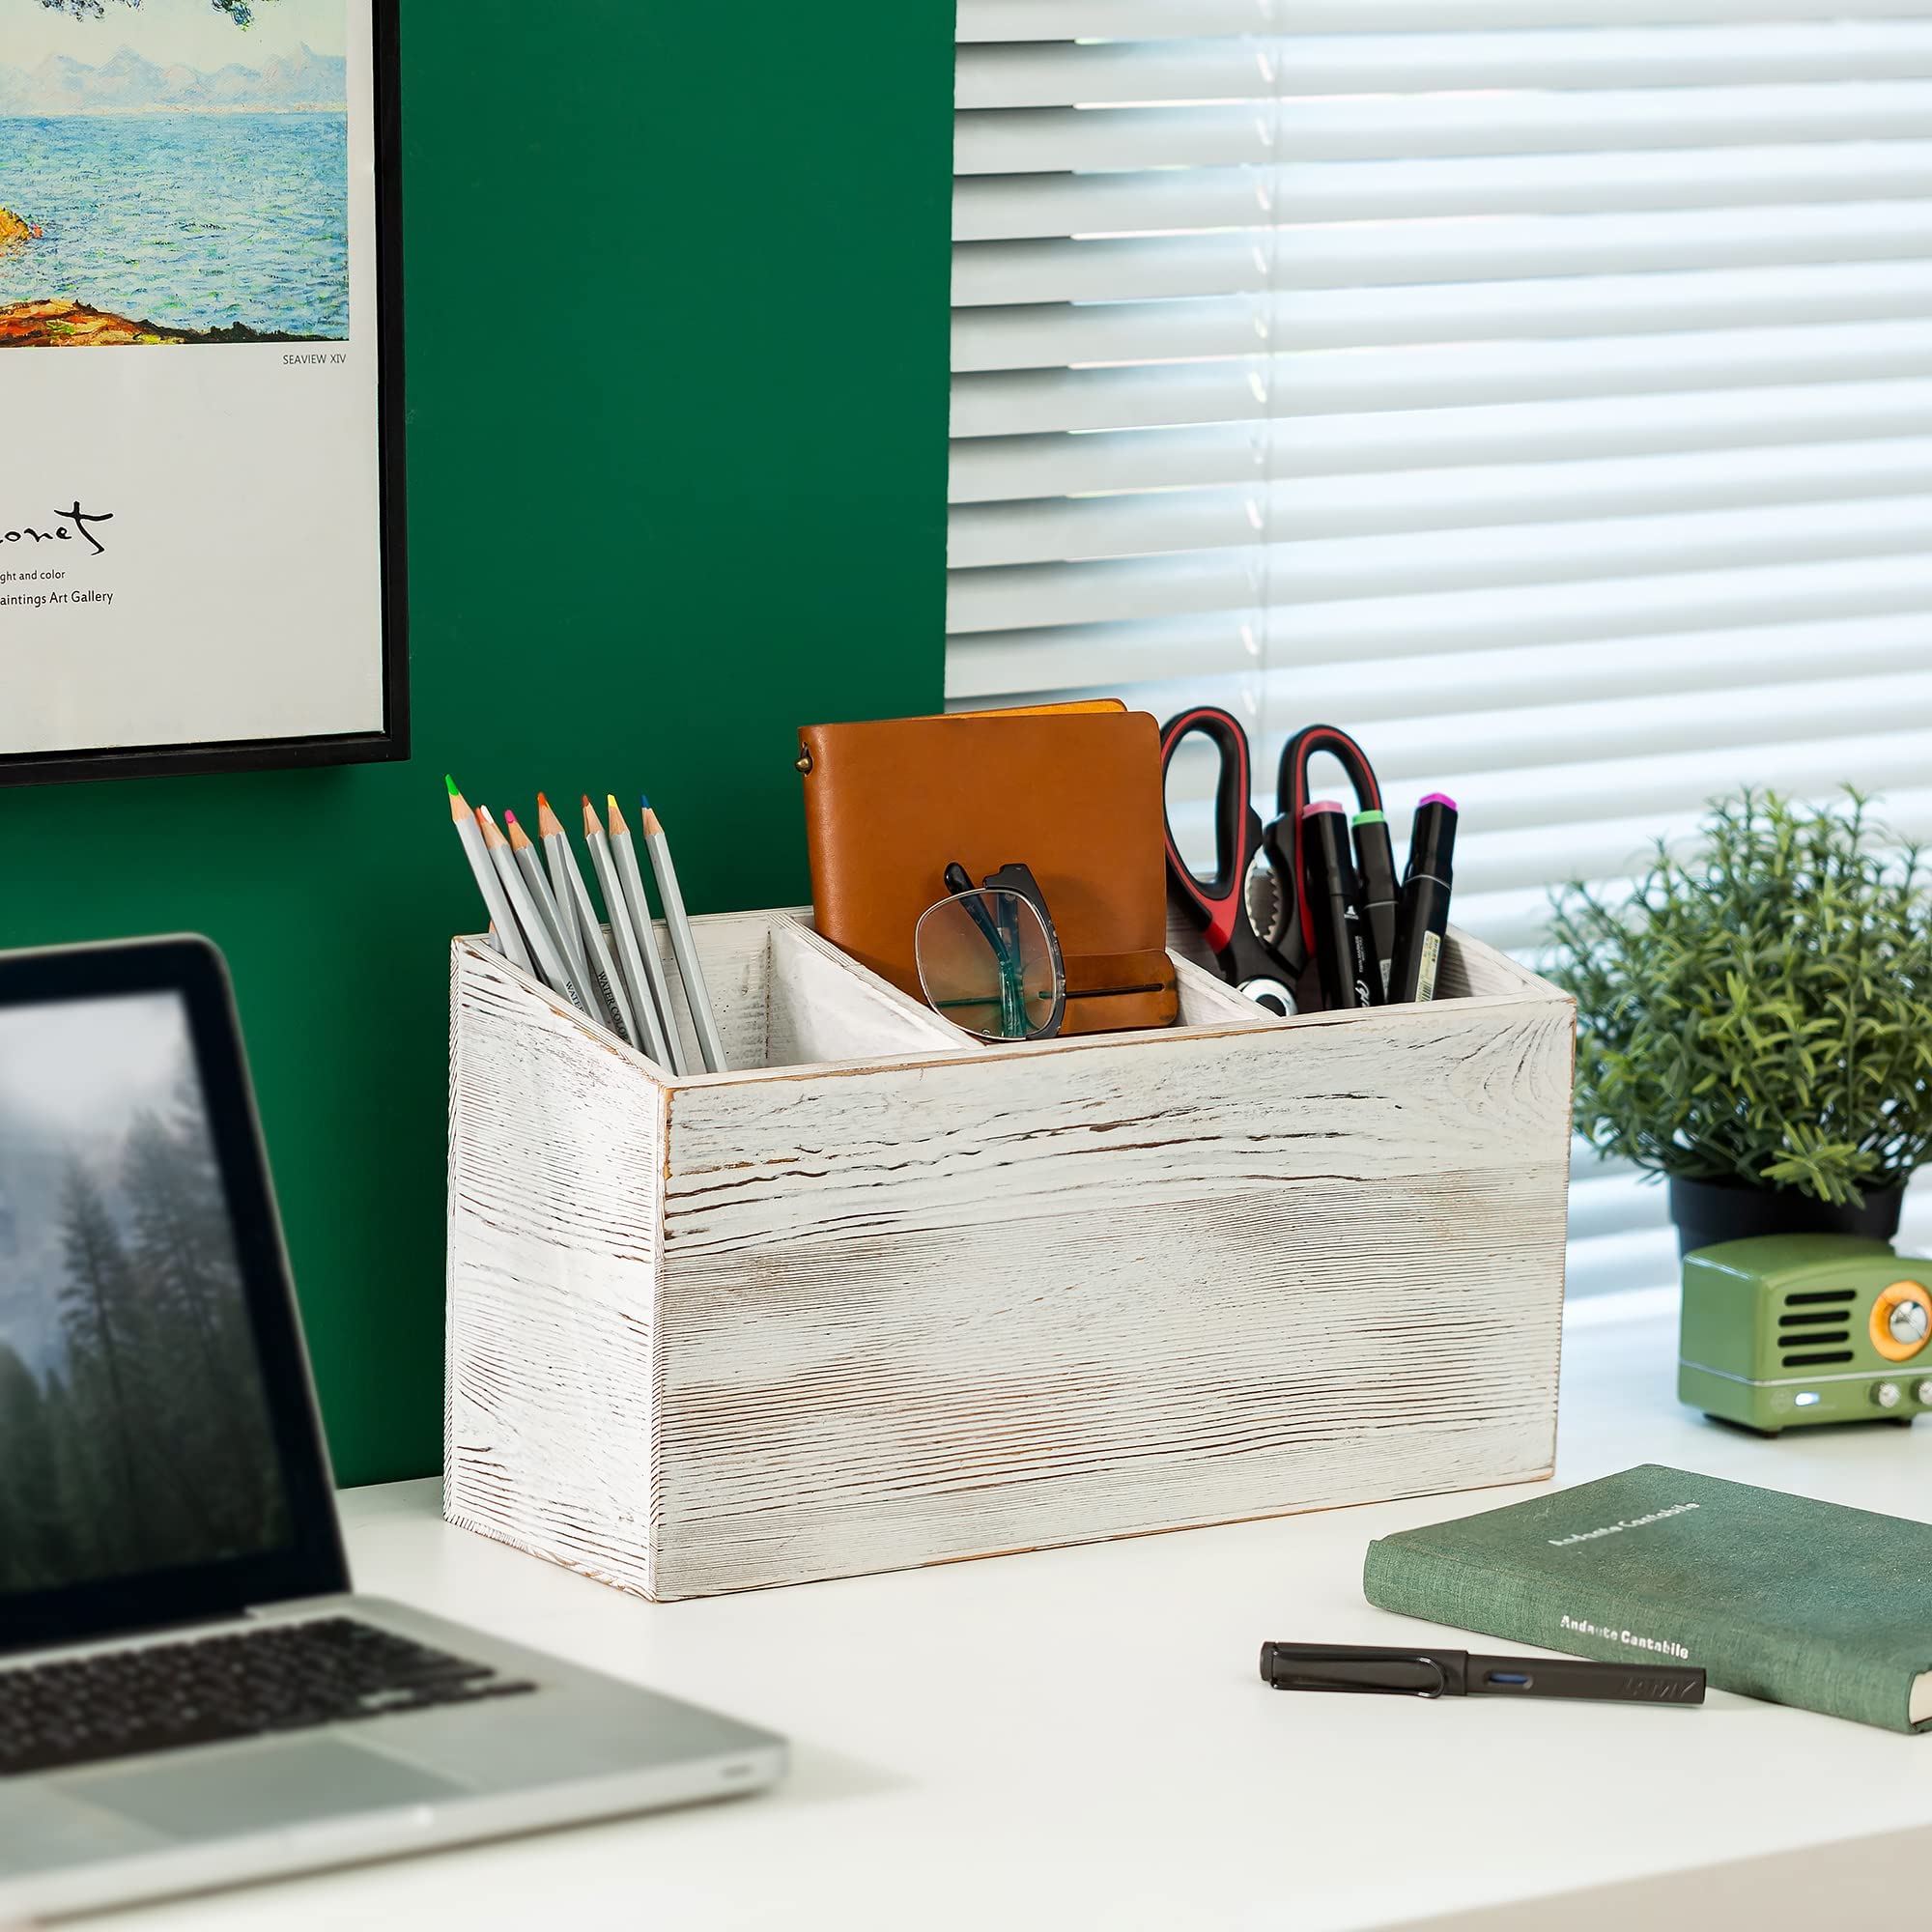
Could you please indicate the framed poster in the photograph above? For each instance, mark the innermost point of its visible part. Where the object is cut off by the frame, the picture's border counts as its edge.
(201, 463)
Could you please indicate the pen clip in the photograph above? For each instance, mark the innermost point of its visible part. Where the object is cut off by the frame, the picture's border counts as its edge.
(1372, 1670)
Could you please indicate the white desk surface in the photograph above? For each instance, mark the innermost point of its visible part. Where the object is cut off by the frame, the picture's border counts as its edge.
(1080, 1737)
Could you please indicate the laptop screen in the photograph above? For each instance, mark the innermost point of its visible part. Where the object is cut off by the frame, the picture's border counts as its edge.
(135, 1431)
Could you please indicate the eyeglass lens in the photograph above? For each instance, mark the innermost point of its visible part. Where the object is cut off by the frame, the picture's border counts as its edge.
(985, 962)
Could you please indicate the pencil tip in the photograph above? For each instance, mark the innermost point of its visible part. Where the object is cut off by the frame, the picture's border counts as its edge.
(542, 804)
(644, 803)
(451, 783)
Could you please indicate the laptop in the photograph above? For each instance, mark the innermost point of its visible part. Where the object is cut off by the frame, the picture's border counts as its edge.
(190, 1695)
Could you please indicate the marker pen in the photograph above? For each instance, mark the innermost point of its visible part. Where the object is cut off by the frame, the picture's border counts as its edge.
(1375, 893)
(1423, 915)
(1329, 884)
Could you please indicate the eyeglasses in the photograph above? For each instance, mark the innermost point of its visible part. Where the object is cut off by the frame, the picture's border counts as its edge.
(990, 959)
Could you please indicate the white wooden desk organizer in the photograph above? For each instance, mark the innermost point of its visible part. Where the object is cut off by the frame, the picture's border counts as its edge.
(886, 1298)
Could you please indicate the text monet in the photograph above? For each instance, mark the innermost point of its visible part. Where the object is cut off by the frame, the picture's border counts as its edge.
(61, 527)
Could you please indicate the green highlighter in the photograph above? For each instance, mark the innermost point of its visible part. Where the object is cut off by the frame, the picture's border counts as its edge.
(1375, 889)
(1782, 1330)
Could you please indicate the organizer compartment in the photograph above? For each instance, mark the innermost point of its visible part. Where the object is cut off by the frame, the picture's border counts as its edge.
(883, 1296)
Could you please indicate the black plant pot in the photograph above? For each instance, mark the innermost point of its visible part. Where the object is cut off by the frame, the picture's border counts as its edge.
(1708, 1211)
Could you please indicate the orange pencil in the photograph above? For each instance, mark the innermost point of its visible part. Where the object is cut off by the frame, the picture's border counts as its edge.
(652, 1037)
(625, 853)
(574, 904)
(523, 850)
(553, 966)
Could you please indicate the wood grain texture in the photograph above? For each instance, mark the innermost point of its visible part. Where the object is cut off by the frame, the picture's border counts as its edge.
(818, 1157)
(930, 1302)
(555, 1257)
(913, 1397)
(734, 950)
(825, 1008)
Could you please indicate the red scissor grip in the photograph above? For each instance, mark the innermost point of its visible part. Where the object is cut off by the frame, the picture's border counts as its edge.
(1215, 904)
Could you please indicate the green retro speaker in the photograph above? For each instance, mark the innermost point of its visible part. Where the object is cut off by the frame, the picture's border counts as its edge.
(1782, 1330)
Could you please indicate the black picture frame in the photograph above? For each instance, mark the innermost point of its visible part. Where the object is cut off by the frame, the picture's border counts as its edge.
(390, 744)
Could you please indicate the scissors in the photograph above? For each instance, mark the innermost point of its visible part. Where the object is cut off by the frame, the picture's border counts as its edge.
(1254, 916)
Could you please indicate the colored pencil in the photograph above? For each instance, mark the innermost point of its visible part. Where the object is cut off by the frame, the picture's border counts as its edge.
(556, 857)
(523, 850)
(710, 1042)
(552, 968)
(651, 1036)
(509, 941)
(626, 855)
(575, 895)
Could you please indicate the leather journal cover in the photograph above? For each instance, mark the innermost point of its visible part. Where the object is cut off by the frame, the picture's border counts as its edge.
(1073, 791)
(1773, 1595)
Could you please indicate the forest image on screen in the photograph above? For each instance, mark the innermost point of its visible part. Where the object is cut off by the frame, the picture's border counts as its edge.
(133, 1426)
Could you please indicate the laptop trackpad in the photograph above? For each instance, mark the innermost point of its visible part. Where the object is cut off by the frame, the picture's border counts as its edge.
(259, 1789)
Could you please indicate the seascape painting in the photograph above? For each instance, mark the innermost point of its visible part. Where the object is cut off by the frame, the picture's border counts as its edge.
(173, 172)
(134, 1430)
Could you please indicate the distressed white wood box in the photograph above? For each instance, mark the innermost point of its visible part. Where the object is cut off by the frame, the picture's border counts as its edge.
(883, 1296)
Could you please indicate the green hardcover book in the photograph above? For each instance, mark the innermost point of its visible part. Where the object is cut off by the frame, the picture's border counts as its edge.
(1775, 1595)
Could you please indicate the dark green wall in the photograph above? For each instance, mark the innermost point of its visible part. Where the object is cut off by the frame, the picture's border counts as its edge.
(677, 341)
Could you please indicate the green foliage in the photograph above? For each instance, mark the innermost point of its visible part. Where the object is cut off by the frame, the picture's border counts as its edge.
(1759, 1011)
(240, 12)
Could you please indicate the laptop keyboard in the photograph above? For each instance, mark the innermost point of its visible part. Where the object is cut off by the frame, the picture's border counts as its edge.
(276, 1677)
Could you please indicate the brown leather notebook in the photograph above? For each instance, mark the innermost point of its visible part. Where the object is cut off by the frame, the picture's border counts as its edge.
(1073, 791)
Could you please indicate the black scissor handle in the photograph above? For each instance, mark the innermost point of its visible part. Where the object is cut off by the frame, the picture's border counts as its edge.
(1216, 904)
(1292, 795)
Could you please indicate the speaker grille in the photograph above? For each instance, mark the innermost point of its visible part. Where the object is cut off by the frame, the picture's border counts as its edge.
(1814, 1327)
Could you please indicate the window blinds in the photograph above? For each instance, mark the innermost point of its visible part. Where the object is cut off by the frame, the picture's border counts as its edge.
(1541, 389)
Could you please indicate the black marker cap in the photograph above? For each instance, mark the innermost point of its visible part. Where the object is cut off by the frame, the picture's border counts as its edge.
(1431, 839)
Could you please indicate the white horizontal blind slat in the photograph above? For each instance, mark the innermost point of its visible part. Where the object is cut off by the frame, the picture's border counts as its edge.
(1019, 467)
(1432, 559)
(981, 21)
(1020, 140)
(1471, 496)
(1431, 375)
(1540, 388)
(1255, 66)
(1245, 637)
(1000, 207)
(1355, 255)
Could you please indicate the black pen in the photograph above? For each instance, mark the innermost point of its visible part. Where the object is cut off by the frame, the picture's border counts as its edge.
(1375, 891)
(1422, 916)
(1328, 887)
(1377, 1669)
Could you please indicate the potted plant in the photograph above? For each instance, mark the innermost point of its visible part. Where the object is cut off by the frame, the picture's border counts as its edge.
(1755, 1020)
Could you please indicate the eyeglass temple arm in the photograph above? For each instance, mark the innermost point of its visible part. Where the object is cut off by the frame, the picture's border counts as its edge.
(960, 883)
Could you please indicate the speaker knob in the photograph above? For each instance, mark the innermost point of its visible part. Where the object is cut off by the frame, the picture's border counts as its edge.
(1924, 1393)
(1887, 1395)
(1900, 1321)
